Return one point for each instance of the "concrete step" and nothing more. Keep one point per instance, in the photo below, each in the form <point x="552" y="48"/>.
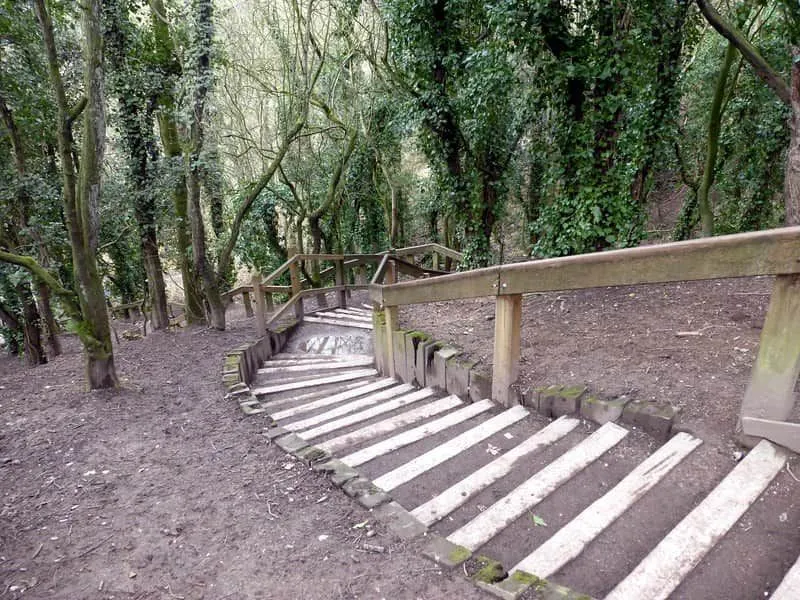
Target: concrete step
<point x="550" y="501"/>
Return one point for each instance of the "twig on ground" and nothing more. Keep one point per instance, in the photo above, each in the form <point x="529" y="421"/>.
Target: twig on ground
<point x="95" y="547"/>
<point x="39" y="549"/>
<point x="789" y="470"/>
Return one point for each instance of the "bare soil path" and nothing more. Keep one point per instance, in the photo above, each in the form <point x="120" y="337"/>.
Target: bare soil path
<point x="164" y="491"/>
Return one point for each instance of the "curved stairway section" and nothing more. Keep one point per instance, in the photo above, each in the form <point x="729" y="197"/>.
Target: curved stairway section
<point x="481" y="481"/>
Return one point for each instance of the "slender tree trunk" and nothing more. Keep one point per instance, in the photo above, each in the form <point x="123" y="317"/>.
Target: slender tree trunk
<point x="168" y="129"/>
<point x="32" y="323"/>
<point x="46" y="310"/>
<point x="712" y="143"/>
<point x="12" y="324"/>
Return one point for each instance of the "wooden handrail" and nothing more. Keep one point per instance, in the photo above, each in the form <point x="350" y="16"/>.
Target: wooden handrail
<point x="768" y="401"/>
<point x="771" y="252"/>
<point x="306" y="293"/>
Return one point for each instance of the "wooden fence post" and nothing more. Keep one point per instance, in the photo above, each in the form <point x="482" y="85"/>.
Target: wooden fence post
<point x="294" y="274"/>
<point x="261" y="318"/>
<point x="270" y="304"/>
<point x="507" y="324"/>
<point x="248" y="305"/>
<point x="435" y="263"/>
<point x="770" y="393"/>
<point x="390" y="316"/>
<point x="339" y="279"/>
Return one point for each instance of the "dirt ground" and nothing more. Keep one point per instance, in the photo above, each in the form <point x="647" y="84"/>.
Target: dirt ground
<point x="162" y="490"/>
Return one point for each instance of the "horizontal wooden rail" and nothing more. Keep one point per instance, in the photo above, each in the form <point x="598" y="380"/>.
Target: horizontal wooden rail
<point x="429" y="248"/>
<point x="772" y="252"/>
<point x="281" y="313"/>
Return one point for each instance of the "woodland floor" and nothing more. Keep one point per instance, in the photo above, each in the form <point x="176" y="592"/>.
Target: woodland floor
<point x="162" y="490"/>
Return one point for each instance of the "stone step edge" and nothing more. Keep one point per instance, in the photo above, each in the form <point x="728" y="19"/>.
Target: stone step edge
<point x="447" y="554"/>
<point x="399" y="521"/>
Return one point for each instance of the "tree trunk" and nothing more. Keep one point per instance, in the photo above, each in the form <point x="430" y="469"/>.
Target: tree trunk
<point x="46" y="310"/>
<point x="31" y="326"/>
<point x="12" y="324"/>
<point x="82" y="194"/>
<point x="168" y="129"/>
<point x="155" y="280"/>
<point x="99" y="356"/>
<point x="791" y="191"/>
<point x="712" y="143"/>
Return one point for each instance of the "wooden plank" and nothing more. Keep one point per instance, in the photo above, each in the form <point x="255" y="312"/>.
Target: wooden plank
<point x="572" y="539"/>
<point x="662" y="571"/>
<point x="418" y="433"/>
<point x="505" y="511"/>
<point x="314" y="357"/>
<point x="365" y="415"/>
<point x="315" y="367"/>
<point x="781" y="432"/>
<point x="314" y="395"/>
<point x="416" y="467"/>
<point x="349" y="407"/>
<point x="470" y="284"/>
<point x="507" y="332"/>
<point x="298" y="385"/>
<point x="449" y="500"/>
<point x="326" y="399"/>
<point x="770" y="393"/>
<point x="337" y="313"/>
<point x="772" y="252"/>
<point x="248" y="304"/>
<point x="338" y="322"/>
<point x="391" y="424"/>
<point x="789" y="589"/>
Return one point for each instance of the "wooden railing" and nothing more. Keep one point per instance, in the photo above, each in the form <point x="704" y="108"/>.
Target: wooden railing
<point x="261" y="291"/>
<point x="768" y="400"/>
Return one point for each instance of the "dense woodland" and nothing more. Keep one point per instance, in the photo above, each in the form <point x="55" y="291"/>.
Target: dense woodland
<point x="192" y="140"/>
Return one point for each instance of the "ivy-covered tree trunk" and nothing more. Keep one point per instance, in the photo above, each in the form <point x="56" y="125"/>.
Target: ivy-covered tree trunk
<point x="203" y="76"/>
<point x="168" y="129"/>
<point x="712" y="143"/>
<point x="32" y="326"/>
<point x="81" y="191"/>
<point x="11" y="323"/>
<point x="130" y="81"/>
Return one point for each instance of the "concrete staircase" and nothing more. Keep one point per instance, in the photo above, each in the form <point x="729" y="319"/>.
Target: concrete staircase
<point x="528" y="507"/>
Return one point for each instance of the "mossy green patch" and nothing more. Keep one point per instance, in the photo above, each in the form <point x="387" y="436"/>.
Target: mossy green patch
<point x="491" y="571"/>
<point x="572" y="392"/>
<point x="523" y="578"/>
<point x="458" y="555"/>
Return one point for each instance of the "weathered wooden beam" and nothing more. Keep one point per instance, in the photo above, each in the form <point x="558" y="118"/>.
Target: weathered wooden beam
<point x="339" y="278"/>
<point x="770" y="394"/>
<point x="294" y="274"/>
<point x="772" y="252"/>
<point x="261" y="309"/>
<point x="781" y="432"/>
<point x="457" y="286"/>
<point x="380" y="272"/>
<point x="248" y="305"/>
<point x="390" y="328"/>
<point x="507" y="324"/>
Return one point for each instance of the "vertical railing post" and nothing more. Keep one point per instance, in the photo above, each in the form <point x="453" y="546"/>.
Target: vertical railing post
<point x="507" y="324"/>
<point x="270" y="303"/>
<point x="770" y="393"/>
<point x="435" y="264"/>
<point x="294" y="274"/>
<point x="248" y="305"/>
<point x="261" y="317"/>
<point x="339" y="278"/>
<point x="390" y="317"/>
